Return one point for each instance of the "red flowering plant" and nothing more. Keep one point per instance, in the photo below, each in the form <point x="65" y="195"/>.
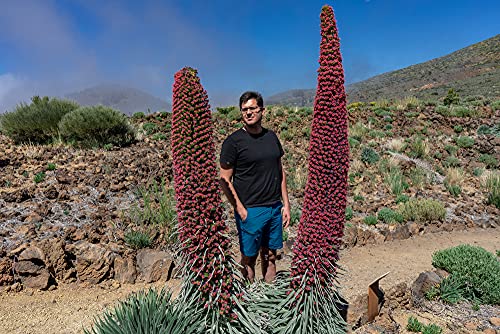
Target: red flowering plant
<point x="206" y="251"/>
<point x="309" y="299"/>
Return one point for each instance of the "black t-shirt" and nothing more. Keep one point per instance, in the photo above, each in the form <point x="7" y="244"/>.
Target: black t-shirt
<point x="255" y="162"/>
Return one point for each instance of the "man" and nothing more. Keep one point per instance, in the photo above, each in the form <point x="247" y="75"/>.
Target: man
<point x="254" y="181"/>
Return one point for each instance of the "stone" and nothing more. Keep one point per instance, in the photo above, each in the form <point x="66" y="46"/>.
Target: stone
<point x="32" y="254"/>
<point x="153" y="265"/>
<point x="40" y="281"/>
<point x="350" y="237"/>
<point x="33" y="218"/>
<point x="470" y="326"/>
<point x="51" y="192"/>
<point x="401" y="232"/>
<point x="489" y="331"/>
<point x="423" y="283"/>
<point x="357" y="313"/>
<point x="55" y="256"/>
<point x="367" y="235"/>
<point x="6" y="276"/>
<point x="27" y="268"/>
<point x="94" y="263"/>
<point x="125" y="270"/>
<point x="495" y="321"/>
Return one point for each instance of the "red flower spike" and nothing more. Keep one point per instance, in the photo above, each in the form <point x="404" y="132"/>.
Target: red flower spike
<point x="199" y="206"/>
<point x="323" y="214"/>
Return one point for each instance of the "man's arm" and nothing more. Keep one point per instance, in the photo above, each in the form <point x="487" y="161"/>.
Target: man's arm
<point x="284" y="196"/>
<point x="226" y="174"/>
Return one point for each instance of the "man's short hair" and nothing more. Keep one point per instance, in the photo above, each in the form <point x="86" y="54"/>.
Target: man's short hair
<point x="246" y="96"/>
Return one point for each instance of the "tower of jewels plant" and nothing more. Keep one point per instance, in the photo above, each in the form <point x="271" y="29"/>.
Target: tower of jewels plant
<point x="202" y="230"/>
<point x="310" y="302"/>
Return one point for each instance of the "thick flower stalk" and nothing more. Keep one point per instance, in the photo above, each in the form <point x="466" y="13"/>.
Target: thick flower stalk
<point x="323" y="215"/>
<point x="202" y="231"/>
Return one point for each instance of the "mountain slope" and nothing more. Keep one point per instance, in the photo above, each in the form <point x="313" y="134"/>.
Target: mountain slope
<point x="473" y="70"/>
<point x="127" y="100"/>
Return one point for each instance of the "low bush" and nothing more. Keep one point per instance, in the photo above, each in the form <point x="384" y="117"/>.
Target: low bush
<point x="137" y="239"/>
<point x="450" y="290"/>
<point x="389" y="216"/>
<point x="402" y="198"/>
<point x="369" y="155"/>
<point x="419" y="148"/>
<point x="414" y="325"/>
<point x="432" y="329"/>
<point x="39" y="177"/>
<point x="489" y="130"/>
<point x="465" y="141"/>
<point x="36" y="122"/>
<point x="474" y="269"/>
<point x="370" y="220"/>
<point x="451" y="161"/>
<point x="96" y="126"/>
<point x="348" y="213"/>
<point x="492" y="185"/>
<point x="149" y="128"/>
<point x="51" y="166"/>
<point x="421" y="210"/>
<point x="489" y="160"/>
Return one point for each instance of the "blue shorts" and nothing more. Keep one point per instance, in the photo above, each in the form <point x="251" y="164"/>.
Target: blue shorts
<point x="262" y="228"/>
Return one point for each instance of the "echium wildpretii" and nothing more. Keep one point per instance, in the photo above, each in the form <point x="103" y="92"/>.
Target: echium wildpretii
<point x="322" y="221"/>
<point x="199" y="207"/>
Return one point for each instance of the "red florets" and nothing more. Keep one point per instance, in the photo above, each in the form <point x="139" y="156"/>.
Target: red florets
<point x="199" y="206"/>
<point x="323" y="214"/>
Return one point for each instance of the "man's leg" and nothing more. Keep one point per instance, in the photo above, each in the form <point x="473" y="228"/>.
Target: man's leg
<point x="268" y="264"/>
<point x="248" y="267"/>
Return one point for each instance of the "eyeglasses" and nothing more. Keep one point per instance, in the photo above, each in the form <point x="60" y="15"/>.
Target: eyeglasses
<point x="254" y="110"/>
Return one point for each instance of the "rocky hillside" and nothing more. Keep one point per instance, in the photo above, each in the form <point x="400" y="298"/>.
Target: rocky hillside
<point x="69" y="214"/>
<point x="126" y="99"/>
<point x="473" y="70"/>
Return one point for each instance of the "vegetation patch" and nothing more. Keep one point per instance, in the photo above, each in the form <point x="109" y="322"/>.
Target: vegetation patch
<point x="421" y="210"/>
<point x="474" y="271"/>
<point x="389" y="216"/>
<point x="96" y="126"/>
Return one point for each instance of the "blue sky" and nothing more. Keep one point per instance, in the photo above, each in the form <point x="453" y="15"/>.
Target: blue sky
<point x="50" y="47"/>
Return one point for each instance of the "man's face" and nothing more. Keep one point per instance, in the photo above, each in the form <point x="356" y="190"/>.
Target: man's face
<point x="251" y="112"/>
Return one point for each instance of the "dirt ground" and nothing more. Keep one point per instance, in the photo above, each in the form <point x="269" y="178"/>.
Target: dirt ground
<point x="71" y="308"/>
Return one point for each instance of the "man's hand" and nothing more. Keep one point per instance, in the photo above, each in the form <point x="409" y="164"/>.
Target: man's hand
<point x="242" y="212"/>
<point x="286" y="216"/>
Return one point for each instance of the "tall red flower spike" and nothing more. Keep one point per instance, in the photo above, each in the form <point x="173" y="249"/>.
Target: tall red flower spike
<point x="323" y="214"/>
<point x="199" y="207"/>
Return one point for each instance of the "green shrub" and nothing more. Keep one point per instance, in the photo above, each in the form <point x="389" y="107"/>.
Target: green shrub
<point x="453" y="189"/>
<point x="465" y="142"/>
<point x="460" y="111"/>
<point x="158" y="206"/>
<point x="414" y="325"/>
<point x="39" y="177"/>
<point x="411" y="114"/>
<point x="421" y="210"/>
<point x="450" y="290"/>
<point x="358" y="198"/>
<point x="451" y="98"/>
<point x="389" y="216"/>
<point x="137" y="239"/>
<point x="51" y="166"/>
<point x="36" y="122"/>
<point x="402" y="198"/>
<point x="306" y="132"/>
<point x="395" y="180"/>
<point x="489" y="160"/>
<point x="476" y="270"/>
<point x="489" y="130"/>
<point x="138" y="115"/>
<point x="353" y="143"/>
<point x="458" y="128"/>
<point x="432" y="293"/>
<point x="295" y="214"/>
<point x="493" y="186"/>
<point x="370" y="220"/>
<point x="451" y="161"/>
<point x="443" y="110"/>
<point x="432" y="329"/>
<point x="451" y="149"/>
<point x="495" y="105"/>
<point x="348" y="213"/>
<point x="369" y="155"/>
<point x="286" y="135"/>
<point x="419" y="148"/>
<point x="149" y="128"/>
<point x="478" y="171"/>
<point x="159" y="136"/>
<point x="96" y="126"/>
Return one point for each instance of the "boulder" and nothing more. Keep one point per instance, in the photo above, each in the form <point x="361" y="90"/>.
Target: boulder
<point x="56" y="258"/>
<point x="423" y="283"/>
<point x="401" y="232"/>
<point x="6" y="276"/>
<point x="125" y="271"/>
<point x="153" y="265"/>
<point x="94" y="263"/>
